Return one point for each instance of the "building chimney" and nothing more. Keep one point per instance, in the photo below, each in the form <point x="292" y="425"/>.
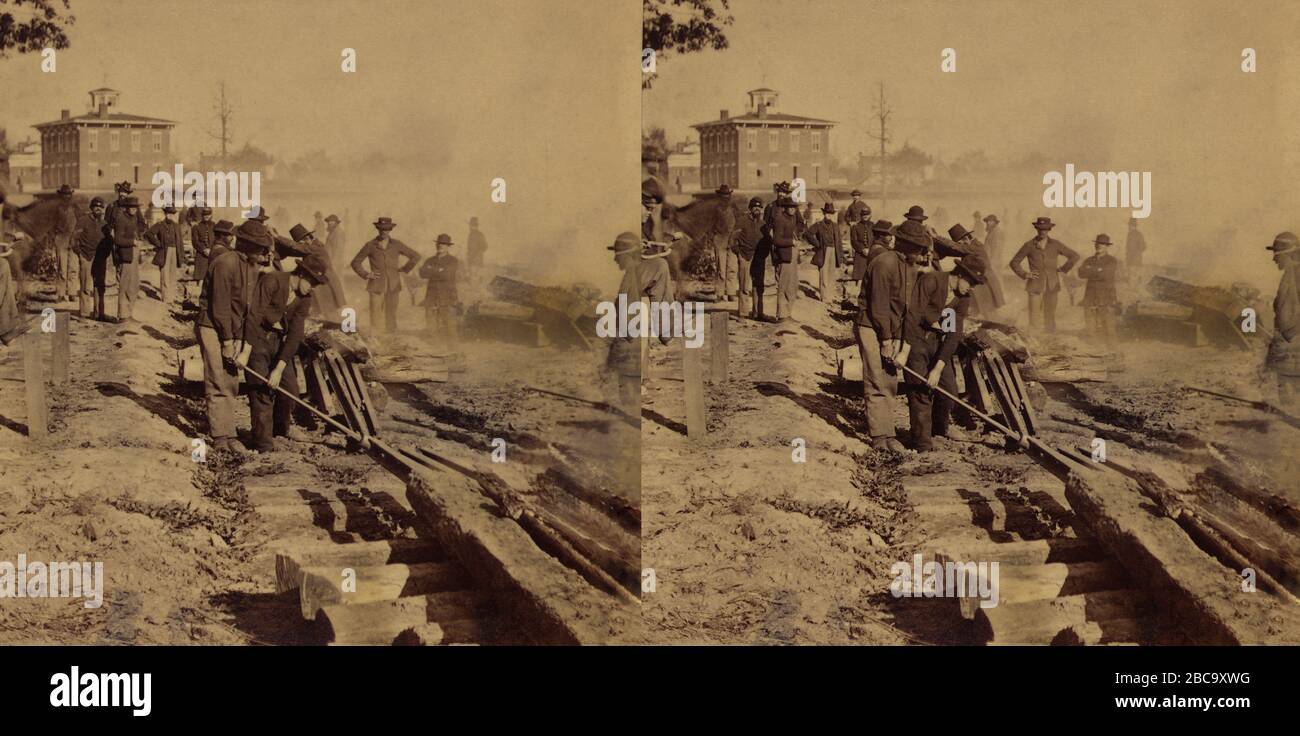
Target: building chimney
<point x="65" y="115"/>
<point x="724" y="115"/>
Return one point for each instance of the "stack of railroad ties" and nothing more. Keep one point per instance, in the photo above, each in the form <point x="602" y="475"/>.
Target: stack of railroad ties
<point x="992" y="386"/>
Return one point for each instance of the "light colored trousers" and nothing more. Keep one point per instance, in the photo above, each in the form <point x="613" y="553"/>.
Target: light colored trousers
<point x="220" y="386"/>
<point x="128" y="285"/>
<point x="787" y="289"/>
<point x="878" y="387"/>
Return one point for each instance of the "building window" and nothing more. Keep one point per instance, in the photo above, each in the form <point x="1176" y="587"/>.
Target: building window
<point x="758" y="173"/>
<point x="794" y="141"/>
<point x="115" y="172"/>
<point x="135" y="141"/>
<point x="157" y="141"/>
<point x="751" y="141"/>
<point x="114" y="140"/>
<point x="773" y="140"/>
<point x="92" y="140"/>
<point x="816" y="142"/>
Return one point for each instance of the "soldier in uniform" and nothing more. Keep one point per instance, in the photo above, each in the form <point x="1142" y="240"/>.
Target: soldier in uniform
<point x="65" y="225"/>
<point x="86" y="241"/>
<point x="987" y="294"/>
<point x="1134" y="245"/>
<point x="228" y="291"/>
<point x="624" y="359"/>
<point x="202" y="238"/>
<point x="784" y="229"/>
<point x="1099" y="299"/>
<point x="384" y="277"/>
<point x="328" y="300"/>
<point x="724" y="223"/>
<point x="165" y="236"/>
<point x="879" y="327"/>
<point x="1284" y="349"/>
<point x="123" y="190"/>
<point x="126" y="233"/>
<point x="334" y="239"/>
<point x="932" y="336"/>
<point x="825" y="240"/>
<point x="857" y="211"/>
<point x="744" y="243"/>
<point x="475" y="246"/>
<point x="441" y="302"/>
<point x="1043" y="279"/>
<point x="861" y="237"/>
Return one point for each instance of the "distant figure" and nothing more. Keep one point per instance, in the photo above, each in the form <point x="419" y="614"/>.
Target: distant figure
<point x="441" y="300"/>
<point x="979" y="232"/>
<point x="993" y="242"/>
<point x="853" y="213"/>
<point x="334" y="238"/>
<point x="824" y="236"/>
<point x="86" y="243"/>
<point x="1284" y="350"/>
<point x="476" y="246"/>
<point x="165" y="237"/>
<point x="744" y="244"/>
<point x="1134" y="245"/>
<point x="1099" y="299"/>
<point x="65" y="224"/>
<point x="784" y="229"/>
<point x="126" y="231"/>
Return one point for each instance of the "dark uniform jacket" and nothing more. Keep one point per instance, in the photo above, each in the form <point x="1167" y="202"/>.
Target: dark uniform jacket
<point x="124" y="230"/>
<point x="65" y="222"/>
<point x="116" y="205"/>
<point x="165" y="236"/>
<point x="749" y="230"/>
<point x="927" y="295"/>
<point x="227" y="294"/>
<point x="783" y="230"/>
<point x="824" y="237"/>
<point x="1099" y="272"/>
<point x="441" y="273"/>
<point x="202" y="238"/>
<point x="860" y="240"/>
<point x="384" y="262"/>
<point x="851" y="213"/>
<point x="882" y="301"/>
<point x="87" y="235"/>
<point x="1043" y="260"/>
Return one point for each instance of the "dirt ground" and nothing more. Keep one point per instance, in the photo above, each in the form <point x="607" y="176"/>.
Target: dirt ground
<point x="750" y="546"/>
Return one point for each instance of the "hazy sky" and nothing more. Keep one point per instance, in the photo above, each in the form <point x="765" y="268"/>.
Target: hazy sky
<point x="462" y="91"/>
<point x="1124" y="86"/>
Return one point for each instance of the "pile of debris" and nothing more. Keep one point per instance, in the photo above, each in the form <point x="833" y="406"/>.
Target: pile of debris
<point x="1194" y="315"/>
<point x="536" y="316"/>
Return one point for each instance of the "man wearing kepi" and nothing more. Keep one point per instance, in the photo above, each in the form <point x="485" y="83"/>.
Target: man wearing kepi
<point x="165" y="236"/>
<point x="1043" y="279"/>
<point x="126" y="233"/>
<point x="785" y="256"/>
<point x="88" y="235"/>
<point x="275" y="330"/>
<point x="744" y="243"/>
<point x="384" y="277"/>
<point x="1284" y="349"/>
<point x="223" y="311"/>
<point x="824" y="237"/>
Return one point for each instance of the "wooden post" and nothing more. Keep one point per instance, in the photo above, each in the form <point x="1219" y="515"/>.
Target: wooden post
<point x="38" y="419"/>
<point x="693" y="380"/>
<point x="718" y="346"/>
<point x="61" y="352"/>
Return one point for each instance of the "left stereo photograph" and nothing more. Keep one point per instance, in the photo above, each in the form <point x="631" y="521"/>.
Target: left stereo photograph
<point x="299" y="310"/>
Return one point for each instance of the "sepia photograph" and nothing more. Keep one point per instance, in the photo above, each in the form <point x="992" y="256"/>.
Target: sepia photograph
<point x="299" y="325"/>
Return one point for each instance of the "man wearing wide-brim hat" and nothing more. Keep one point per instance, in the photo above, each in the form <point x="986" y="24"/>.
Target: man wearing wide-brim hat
<point x="824" y="236"/>
<point x="932" y="337"/>
<point x="383" y="278"/>
<point x="624" y="357"/>
<point x="224" y="309"/>
<point x="1043" y="279"/>
<point x="994" y="244"/>
<point x="328" y="299"/>
<point x="273" y="332"/>
<point x="1284" y="348"/>
<point x="441" y="298"/>
<point x="855" y="211"/>
<point x="1099" y="299"/>
<point x="988" y="296"/>
<point x="784" y="230"/>
<point x="878" y="328"/>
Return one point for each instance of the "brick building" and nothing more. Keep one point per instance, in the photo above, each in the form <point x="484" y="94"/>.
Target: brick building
<point x="103" y="146"/>
<point x="761" y="147"/>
